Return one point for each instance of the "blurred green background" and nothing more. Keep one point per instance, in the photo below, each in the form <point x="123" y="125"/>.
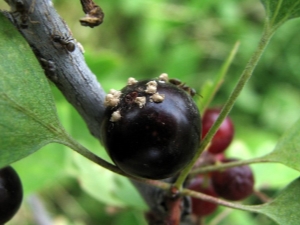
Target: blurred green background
<point x="189" y="40"/>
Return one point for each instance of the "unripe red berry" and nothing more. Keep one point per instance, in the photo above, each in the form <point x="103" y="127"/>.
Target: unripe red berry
<point x="200" y="207"/>
<point x="234" y="183"/>
<point x="223" y="136"/>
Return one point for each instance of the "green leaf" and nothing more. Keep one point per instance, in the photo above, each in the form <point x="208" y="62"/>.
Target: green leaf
<point x="287" y="150"/>
<point x="284" y="209"/>
<point x="210" y="88"/>
<point x="36" y="176"/>
<point x="106" y="186"/>
<point x="279" y="11"/>
<point x="28" y="116"/>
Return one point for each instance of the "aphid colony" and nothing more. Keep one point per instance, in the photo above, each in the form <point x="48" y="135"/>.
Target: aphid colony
<point x="113" y="97"/>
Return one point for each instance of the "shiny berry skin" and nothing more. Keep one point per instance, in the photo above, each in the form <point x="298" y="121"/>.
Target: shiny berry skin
<point x="151" y="132"/>
<point x="223" y="136"/>
<point x="199" y="207"/>
<point x="233" y="183"/>
<point x="11" y="193"/>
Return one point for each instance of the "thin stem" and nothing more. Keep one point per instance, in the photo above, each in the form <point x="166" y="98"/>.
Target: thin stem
<point x="70" y="142"/>
<point x="204" y="103"/>
<point x="262" y="196"/>
<point x="208" y="198"/>
<point x="39" y="213"/>
<point x="221" y="216"/>
<point x="207" y="169"/>
<point x="267" y="34"/>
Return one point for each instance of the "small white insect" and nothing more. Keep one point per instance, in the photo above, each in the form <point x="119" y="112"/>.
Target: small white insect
<point x="115" y="116"/>
<point x="157" y="97"/>
<point x="141" y="101"/>
<point x="112" y="99"/>
<point x="131" y="81"/>
<point x="163" y="77"/>
<point x="115" y="93"/>
<point x="151" y="87"/>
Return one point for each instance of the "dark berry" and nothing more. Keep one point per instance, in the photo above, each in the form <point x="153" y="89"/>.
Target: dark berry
<point x="234" y="183"/>
<point x="199" y="207"/>
<point x="223" y="136"/>
<point x="11" y="193"/>
<point x="151" y="128"/>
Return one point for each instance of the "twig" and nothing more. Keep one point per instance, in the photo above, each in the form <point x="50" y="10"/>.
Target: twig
<point x="66" y="69"/>
<point x="40" y="215"/>
<point x="221" y="216"/>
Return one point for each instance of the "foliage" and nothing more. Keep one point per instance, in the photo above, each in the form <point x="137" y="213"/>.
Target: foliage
<point x="25" y="97"/>
<point x="189" y="41"/>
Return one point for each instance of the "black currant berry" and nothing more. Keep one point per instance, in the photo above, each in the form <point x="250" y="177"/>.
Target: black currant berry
<point x="151" y="128"/>
<point x="234" y="183"/>
<point x="224" y="135"/>
<point x="199" y="207"/>
<point x="11" y="193"/>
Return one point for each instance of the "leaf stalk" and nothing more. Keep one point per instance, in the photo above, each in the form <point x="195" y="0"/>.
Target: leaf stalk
<point x="244" y="78"/>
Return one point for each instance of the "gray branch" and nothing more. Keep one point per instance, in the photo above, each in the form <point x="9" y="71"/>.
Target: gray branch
<point x="53" y="44"/>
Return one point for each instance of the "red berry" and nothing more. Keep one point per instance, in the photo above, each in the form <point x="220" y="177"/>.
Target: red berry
<point x="200" y="207"/>
<point x="151" y="129"/>
<point x="223" y="136"/>
<point x="11" y="193"/>
<point x="234" y="183"/>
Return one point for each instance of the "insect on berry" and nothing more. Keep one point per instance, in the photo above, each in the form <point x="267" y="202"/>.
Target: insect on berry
<point x="183" y="86"/>
<point x="151" y="128"/>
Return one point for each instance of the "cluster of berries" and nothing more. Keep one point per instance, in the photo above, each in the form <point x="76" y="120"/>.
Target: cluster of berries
<point x="157" y="139"/>
<point x="234" y="183"/>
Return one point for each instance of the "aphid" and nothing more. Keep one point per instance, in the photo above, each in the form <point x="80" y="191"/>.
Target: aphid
<point x="115" y="116"/>
<point x="131" y="81"/>
<point x="182" y="85"/>
<point x="68" y="43"/>
<point x="157" y="97"/>
<point x="112" y="99"/>
<point x="163" y="77"/>
<point x="141" y="101"/>
<point x="151" y="87"/>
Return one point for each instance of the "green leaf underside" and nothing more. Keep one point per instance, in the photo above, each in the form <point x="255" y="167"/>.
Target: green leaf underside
<point x="28" y="118"/>
<point x="110" y="188"/>
<point x="287" y="150"/>
<point x="279" y="11"/>
<point x="284" y="209"/>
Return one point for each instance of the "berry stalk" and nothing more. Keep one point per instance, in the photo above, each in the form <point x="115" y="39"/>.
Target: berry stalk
<point x="227" y="165"/>
<point x="219" y="201"/>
